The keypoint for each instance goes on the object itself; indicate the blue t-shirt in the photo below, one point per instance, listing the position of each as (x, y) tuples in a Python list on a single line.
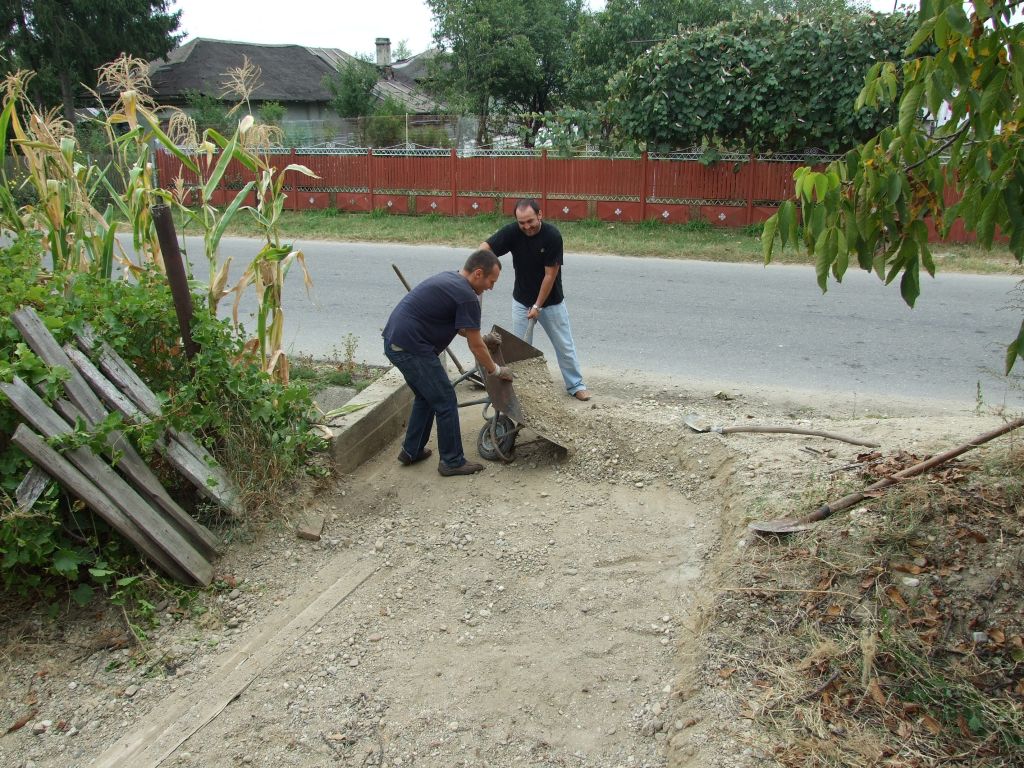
[(428, 317)]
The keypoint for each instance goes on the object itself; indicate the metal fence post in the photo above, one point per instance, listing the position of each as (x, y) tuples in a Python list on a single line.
[(455, 183), (544, 180), (750, 189), (643, 186), (369, 175)]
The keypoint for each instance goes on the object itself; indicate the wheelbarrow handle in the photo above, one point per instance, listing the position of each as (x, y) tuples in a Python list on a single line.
[(528, 338)]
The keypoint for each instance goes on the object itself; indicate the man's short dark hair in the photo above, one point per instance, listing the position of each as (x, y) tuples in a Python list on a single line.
[(528, 202), (482, 259)]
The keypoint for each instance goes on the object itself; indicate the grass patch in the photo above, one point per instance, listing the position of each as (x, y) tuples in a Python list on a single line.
[(697, 239)]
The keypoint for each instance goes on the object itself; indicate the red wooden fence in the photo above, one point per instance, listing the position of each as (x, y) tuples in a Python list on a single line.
[(734, 192)]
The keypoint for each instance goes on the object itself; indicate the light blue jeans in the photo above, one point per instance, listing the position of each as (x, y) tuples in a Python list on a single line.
[(555, 322)]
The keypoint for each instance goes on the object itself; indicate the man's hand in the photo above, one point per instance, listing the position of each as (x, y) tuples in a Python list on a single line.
[(492, 340), (504, 373)]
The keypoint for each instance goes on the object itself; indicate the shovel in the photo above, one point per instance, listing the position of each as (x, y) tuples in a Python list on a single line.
[(697, 424), (791, 525)]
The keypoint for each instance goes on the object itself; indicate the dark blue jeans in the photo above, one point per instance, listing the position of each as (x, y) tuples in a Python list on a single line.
[(434, 399)]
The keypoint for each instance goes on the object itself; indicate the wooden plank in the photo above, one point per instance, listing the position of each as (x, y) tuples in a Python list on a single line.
[(31, 487), (201, 536), (39, 338), (186, 712), (78, 484), (81, 395), (38, 415), (212, 481), (142, 479)]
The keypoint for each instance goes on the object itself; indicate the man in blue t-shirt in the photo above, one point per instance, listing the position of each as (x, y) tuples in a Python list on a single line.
[(536, 248), (418, 330)]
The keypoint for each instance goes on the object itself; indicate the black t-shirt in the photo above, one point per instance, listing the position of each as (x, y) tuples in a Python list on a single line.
[(428, 317), (529, 257)]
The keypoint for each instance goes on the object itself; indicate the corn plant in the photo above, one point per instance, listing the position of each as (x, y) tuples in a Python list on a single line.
[(80, 238)]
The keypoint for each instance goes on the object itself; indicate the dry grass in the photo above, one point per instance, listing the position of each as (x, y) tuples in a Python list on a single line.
[(892, 635)]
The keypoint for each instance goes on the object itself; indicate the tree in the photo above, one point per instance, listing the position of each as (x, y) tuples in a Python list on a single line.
[(402, 51), (956, 135), (66, 41), (351, 88), (608, 40), (765, 83), (509, 55)]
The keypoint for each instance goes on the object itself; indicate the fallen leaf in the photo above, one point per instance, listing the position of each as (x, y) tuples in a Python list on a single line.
[(894, 594), (726, 673), (933, 725), (21, 721), (907, 568), (875, 692)]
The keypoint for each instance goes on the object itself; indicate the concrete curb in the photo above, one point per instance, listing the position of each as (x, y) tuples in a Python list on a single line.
[(359, 436)]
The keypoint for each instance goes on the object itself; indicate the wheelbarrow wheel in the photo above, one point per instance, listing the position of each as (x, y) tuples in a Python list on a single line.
[(497, 446)]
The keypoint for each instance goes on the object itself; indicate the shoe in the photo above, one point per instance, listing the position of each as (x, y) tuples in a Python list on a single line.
[(467, 468), (582, 395), (405, 459)]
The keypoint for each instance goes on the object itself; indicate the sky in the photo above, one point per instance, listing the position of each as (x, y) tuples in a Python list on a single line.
[(351, 25)]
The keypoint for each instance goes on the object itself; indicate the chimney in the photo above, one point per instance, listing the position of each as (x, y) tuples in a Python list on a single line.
[(383, 51)]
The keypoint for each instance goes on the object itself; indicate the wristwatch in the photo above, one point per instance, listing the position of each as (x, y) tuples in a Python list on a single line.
[(537, 308)]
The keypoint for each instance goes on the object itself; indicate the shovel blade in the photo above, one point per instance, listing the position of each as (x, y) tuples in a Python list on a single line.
[(696, 423), (784, 525)]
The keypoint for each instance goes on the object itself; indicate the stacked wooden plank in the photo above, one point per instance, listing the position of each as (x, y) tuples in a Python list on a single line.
[(131, 499)]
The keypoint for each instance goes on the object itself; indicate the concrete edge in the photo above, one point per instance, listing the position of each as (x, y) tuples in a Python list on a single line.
[(359, 436)]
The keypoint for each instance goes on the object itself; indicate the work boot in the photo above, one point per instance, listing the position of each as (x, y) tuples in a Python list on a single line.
[(466, 468)]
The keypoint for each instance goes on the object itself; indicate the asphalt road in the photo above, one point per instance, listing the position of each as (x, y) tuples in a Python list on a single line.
[(722, 324)]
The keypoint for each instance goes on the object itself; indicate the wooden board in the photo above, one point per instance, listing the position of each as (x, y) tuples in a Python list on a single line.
[(78, 484), (43, 419), (208, 476)]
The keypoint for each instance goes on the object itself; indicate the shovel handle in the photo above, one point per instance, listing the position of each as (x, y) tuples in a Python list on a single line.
[(528, 338), (940, 458), (799, 431)]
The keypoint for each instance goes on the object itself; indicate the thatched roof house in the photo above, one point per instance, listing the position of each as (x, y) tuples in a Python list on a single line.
[(292, 75)]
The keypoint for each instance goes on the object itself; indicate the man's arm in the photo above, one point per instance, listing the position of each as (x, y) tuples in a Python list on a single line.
[(482, 354), (550, 273)]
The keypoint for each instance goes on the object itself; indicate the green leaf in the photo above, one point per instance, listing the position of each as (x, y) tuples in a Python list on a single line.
[(993, 91), (787, 222), (768, 237), (1015, 349), (82, 594), (169, 145), (66, 562), (910, 284), (910, 107), (228, 215), (219, 170)]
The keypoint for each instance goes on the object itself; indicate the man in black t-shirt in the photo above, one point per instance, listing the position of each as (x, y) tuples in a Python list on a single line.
[(418, 330), (536, 248)]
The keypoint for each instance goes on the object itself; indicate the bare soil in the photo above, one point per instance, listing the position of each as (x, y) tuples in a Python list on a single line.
[(560, 610)]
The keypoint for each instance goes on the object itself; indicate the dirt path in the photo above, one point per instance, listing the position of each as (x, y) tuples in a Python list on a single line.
[(542, 613)]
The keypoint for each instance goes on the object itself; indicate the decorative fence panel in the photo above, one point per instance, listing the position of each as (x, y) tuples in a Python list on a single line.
[(736, 190)]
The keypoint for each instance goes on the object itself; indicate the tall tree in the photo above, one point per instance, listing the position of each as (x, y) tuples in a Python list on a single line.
[(509, 55), (66, 41), (956, 136)]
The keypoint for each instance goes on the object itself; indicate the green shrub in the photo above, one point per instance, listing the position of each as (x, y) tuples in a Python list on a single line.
[(258, 428)]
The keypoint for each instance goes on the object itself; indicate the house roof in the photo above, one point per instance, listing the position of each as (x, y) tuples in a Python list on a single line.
[(288, 73)]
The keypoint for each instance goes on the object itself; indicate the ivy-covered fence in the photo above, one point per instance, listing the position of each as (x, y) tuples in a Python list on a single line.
[(733, 191)]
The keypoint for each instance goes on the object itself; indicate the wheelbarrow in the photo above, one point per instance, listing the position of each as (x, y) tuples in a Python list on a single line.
[(503, 414)]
